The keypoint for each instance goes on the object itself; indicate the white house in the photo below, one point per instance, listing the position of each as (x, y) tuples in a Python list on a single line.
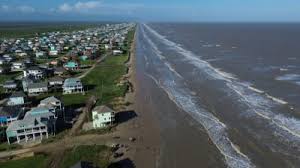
[(117, 52), (53, 51), (102, 116), (35, 72), (17, 66)]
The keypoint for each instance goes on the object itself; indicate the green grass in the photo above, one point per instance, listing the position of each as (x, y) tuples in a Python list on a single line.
[(87, 62), (105, 77), (38, 161), (6, 147), (99, 155)]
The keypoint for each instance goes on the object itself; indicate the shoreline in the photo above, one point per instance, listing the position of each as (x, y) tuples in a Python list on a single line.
[(142, 127)]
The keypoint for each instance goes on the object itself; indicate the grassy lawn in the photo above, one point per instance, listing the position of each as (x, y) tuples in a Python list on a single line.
[(103, 80), (5, 147), (38, 161), (87, 62), (99, 155)]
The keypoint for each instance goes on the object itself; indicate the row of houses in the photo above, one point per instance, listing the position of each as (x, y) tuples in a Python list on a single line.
[(39, 122), (64, 52)]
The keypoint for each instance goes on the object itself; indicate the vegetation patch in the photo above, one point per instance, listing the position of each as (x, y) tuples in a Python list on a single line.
[(97, 154), (38, 161)]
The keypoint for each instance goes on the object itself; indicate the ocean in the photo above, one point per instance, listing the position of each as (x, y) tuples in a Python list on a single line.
[(225, 94)]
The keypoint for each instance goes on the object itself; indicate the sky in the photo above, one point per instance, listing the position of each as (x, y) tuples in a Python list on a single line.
[(151, 10)]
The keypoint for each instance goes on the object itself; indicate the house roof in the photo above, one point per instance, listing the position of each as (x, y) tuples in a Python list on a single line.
[(9, 82), (34, 68), (49, 100), (12, 111), (56, 78), (17, 94), (102, 109), (37, 110), (59, 69), (37, 85), (72, 82), (29, 121), (71, 64)]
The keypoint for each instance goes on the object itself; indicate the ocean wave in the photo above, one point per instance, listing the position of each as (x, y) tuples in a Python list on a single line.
[(293, 78), (184, 99), (258, 104), (215, 129)]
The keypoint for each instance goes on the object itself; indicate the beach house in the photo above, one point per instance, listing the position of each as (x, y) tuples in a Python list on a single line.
[(53, 105), (34, 125), (102, 116), (72, 85)]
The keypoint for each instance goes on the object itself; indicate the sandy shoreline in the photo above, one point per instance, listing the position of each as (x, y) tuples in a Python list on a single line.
[(145, 151)]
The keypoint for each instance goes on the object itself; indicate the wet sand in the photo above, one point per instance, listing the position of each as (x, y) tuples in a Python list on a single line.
[(142, 125)]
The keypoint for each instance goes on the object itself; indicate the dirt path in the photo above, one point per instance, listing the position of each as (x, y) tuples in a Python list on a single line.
[(88, 71)]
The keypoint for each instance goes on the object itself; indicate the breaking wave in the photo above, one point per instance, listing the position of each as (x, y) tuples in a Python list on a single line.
[(185, 100)]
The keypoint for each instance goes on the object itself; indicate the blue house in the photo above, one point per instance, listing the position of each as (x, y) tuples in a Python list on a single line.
[(71, 65)]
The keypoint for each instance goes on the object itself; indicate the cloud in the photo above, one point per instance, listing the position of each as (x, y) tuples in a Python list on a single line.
[(18, 9), (87, 5), (98, 8), (79, 6), (65, 8), (25, 9), (4, 8)]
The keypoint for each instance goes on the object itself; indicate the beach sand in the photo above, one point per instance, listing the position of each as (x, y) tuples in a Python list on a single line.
[(140, 124)]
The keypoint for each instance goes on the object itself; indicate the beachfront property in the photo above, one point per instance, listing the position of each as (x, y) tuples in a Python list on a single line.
[(38, 122), (34, 125), (53, 104), (72, 85), (17, 98), (37, 88), (102, 116), (9, 114)]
